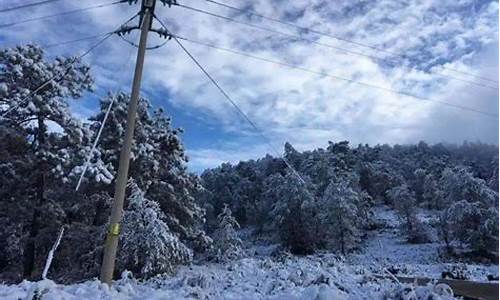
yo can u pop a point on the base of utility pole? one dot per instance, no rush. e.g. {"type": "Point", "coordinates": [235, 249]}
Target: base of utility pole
{"type": "Point", "coordinates": [111, 245]}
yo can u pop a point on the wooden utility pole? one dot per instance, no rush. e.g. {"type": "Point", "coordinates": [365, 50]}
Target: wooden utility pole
{"type": "Point", "coordinates": [111, 246]}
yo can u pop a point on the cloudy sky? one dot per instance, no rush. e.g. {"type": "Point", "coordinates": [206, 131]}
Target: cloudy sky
{"type": "Point", "coordinates": [426, 48]}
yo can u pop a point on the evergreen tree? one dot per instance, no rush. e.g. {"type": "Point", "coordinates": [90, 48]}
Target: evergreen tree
{"type": "Point", "coordinates": [268, 199]}
{"type": "Point", "coordinates": [418, 185]}
{"type": "Point", "coordinates": [148, 246]}
{"type": "Point", "coordinates": [405, 205]}
{"type": "Point", "coordinates": [158, 165]}
{"type": "Point", "coordinates": [292, 156]}
{"type": "Point", "coordinates": [494, 180]}
{"type": "Point", "coordinates": [431, 194]}
{"type": "Point", "coordinates": [292, 214]}
{"type": "Point", "coordinates": [227, 245]}
{"type": "Point", "coordinates": [342, 219]}
{"type": "Point", "coordinates": [378, 178]}
{"type": "Point", "coordinates": [471, 217]}
{"type": "Point", "coordinates": [222, 183]}
{"type": "Point", "coordinates": [23, 70]}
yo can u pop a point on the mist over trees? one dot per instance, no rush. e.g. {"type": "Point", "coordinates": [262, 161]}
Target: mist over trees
{"type": "Point", "coordinates": [172, 217]}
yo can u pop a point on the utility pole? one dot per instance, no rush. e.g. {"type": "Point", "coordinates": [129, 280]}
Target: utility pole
{"type": "Point", "coordinates": [111, 246]}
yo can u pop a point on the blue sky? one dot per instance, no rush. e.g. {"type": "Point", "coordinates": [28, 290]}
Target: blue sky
{"type": "Point", "coordinates": [434, 36]}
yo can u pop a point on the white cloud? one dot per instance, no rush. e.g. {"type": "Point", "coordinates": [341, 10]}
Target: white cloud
{"type": "Point", "coordinates": [308, 109]}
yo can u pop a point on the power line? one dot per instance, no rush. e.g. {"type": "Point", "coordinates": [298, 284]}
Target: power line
{"type": "Point", "coordinates": [239, 110]}
{"type": "Point", "coordinates": [321, 73]}
{"type": "Point", "coordinates": [470, 74]}
{"type": "Point", "coordinates": [307, 29]}
{"type": "Point", "coordinates": [26, 5]}
{"type": "Point", "coordinates": [61, 75]}
{"type": "Point", "coordinates": [299, 37]}
{"type": "Point", "coordinates": [270, 30]}
{"type": "Point", "coordinates": [106, 36]}
{"type": "Point", "coordinates": [91, 37]}
{"type": "Point", "coordinates": [105, 118]}
{"type": "Point", "coordinates": [65, 13]}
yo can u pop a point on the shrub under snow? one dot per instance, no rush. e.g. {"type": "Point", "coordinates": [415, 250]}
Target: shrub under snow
{"type": "Point", "coordinates": [310, 277]}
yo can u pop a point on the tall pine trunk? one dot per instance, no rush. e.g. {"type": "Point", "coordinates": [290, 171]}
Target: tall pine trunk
{"type": "Point", "coordinates": [30, 251]}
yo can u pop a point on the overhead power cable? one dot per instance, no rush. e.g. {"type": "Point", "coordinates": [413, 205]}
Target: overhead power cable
{"type": "Point", "coordinates": [58, 76]}
{"type": "Point", "coordinates": [91, 37]}
{"type": "Point", "coordinates": [322, 73]}
{"type": "Point", "coordinates": [470, 74]}
{"type": "Point", "coordinates": [239, 110]}
{"type": "Point", "coordinates": [64, 13]}
{"type": "Point", "coordinates": [62, 75]}
{"type": "Point", "coordinates": [2, 10]}
{"type": "Point", "coordinates": [251, 12]}
{"type": "Point", "coordinates": [103, 123]}
{"type": "Point", "coordinates": [313, 41]}
{"type": "Point", "coordinates": [273, 31]}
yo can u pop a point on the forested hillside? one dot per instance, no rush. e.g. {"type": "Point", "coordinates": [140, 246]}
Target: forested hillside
{"type": "Point", "coordinates": [329, 205]}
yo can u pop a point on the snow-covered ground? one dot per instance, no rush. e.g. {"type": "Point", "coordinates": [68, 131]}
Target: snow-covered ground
{"type": "Point", "coordinates": [387, 248]}
{"type": "Point", "coordinates": [313, 277]}
{"type": "Point", "coordinates": [262, 276]}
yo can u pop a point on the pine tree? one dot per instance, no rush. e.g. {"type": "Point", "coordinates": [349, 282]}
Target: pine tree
{"type": "Point", "coordinates": [431, 192]}
{"type": "Point", "coordinates": [471, 217]}
{"type": "Point", "coordinates": [405, 205]}
{"type": "Point", "coordinates": [378, 178]}
{"type": "Point", "coordinates": [227, 245]}
{"type": "Point", "coordinates": [222, 183]}
{"type": "Point", "coordinates": [267, 201]}
{"type": "Point", "coordinates": [418, 185]}
{"type": "Point", "coordinates": [23, 70]}
{"type": "Point", "coordinates": [292, 156]}
{"type": "Point", "coordinates": [494, 180]}
{"type": "Point", "coordinates": [341, 217]}
{"type": "Point", "coordinates": [148, 246]}
{"type": "Point", "coordinates": [292, 212]}
{"type": "Point", "coordinates": [158, 165]}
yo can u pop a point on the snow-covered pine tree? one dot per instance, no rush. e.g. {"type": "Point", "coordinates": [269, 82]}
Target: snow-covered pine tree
{"type": "Point", "coordinates": [292, 214]}
{"type": "Point", "coordinates": [292, 156]}
{"type": "Point", "coordinates": [431, 192]}
{"type": "Point", "coordinates": [378, 177]}
{"type": "Point", "coordinates": [268, 199]}
{"type": "Point", "coordinates": [471, 217]}
{"type": "Point", "coordinates": [418, 185]}
{"type": "Point", "coordinates": [23, 70]}
{"type": "Point", "coordinates": [459, 183]}
{"type": "Point", "coordinates": [158, 165]}
{"type": "Point", "coordinates": [317, 165]}
{"type": "Point", "coordinates": [494, 180]}
{"type": "Point", "coordinates": [340, 217]}
{"type": "Point", "coordinates": [222, 182]}
{"type": "Point", "coordinates": [148, 246]}
{"type": "Point", "coordinates": [247, 192]}
{"type": "Point", "coordinates": [227, 245]}
{"type": "Point", "coordinates": [16, 194]}
{"type": "Point", "coordinates": [405, 205]}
